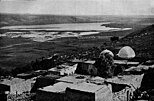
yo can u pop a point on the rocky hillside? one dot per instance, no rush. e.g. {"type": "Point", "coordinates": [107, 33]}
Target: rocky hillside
{"type": "Point", "coordinates": [142, 41]}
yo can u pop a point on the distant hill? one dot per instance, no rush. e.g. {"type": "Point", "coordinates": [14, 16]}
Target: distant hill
{"type": "Point", "coordinates": [142, 41]}
{"type": "Point", "coordinates": [26, 19]}
{"type": "Point", "coordinates": [30, 19]}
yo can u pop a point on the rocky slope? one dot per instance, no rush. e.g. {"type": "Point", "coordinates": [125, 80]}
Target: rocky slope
{"type": "Point", "coordinates": [142, 41]}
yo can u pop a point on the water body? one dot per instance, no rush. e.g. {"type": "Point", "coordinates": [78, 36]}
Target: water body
{"type": "Point", "coordinates": [54, 31]}
{"type": "Point", "coordinates": [66, 27]}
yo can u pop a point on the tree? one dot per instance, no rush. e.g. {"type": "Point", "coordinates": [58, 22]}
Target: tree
{"type": "Point", "coordinates": [104, 65]}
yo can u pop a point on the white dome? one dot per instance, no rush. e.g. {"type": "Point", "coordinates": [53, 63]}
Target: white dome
{"type": "Point", "coordinates": [126, 52]}
{"type": "Point", "coordinates": [106, 51]}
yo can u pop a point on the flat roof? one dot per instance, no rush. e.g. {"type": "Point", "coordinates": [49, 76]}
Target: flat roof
{"type": "Point", "coordinates": [140, 67]}
{"type": "Point", "coordinates": [129, 80]}
{"type": "Point", "coordinates": [88, 87]}
{"type": "Point", "coordinates": [76, 78]}
{"type": "Point", "coordinates": [125, 62]}
{"type": "Point", "coordinates": [77, 60]}
{"type": "Point", "coordinates": [24, 74]}
{"type": "Point", "coordinates": [60, 87]}
{"type": "Point", "coordinates": [11, 81]}
{"type": "Point", "coordinates": [56, 88]}
{"type": "Point", "coordinates": [90, 61]}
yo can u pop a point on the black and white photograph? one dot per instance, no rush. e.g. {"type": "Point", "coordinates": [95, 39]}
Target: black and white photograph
{"type": "Point", "coordinates": [76, 50]}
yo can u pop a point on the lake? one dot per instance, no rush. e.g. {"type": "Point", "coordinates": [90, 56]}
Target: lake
{"type": "Point", "coordinates": [66, 27]}
{"type": "Point", "coordinates": [54, 31]}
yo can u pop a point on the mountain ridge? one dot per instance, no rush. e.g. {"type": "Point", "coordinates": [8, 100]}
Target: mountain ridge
{"type": "Point", "coordinates": [37, 19]}
{"type": "Point", "coordinates": [24, 19]}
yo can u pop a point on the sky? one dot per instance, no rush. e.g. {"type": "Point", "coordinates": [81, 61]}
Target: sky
{"type": "Point", "coordinates": [78, 7]}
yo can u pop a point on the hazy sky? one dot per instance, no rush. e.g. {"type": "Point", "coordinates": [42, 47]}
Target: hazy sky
{"type": "Point", "coordinates": [79, 7]}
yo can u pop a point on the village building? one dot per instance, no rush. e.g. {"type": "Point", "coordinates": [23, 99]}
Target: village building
{"type": "Point", "coordinates": [63, 69]}
{"type": "Point", "coordinates": [74, 88]}
{"type": "Point", "coordinates": [16, 85]}
{"type": "Point", "coordinates": [44, 81]}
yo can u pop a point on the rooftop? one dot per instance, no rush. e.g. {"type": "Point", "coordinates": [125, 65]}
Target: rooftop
{"type": "Point", "coordinates": [76, 78]}
{"type": "Point", "coordinates": [87, 87]}
{"type": "Point", "coordinates": [61, 87]}
{"type": "Point", "coordinates": [11, 81]}
{"type": "Point", "coordinates": [90, 62]}
{"type": "Point", "coordinates": [57, 88]}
